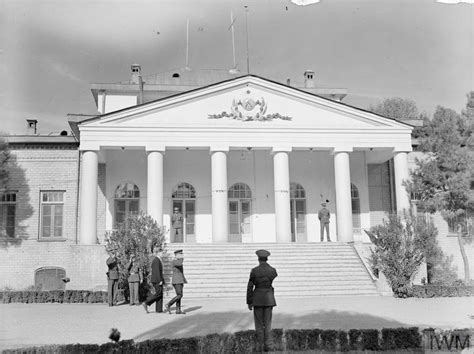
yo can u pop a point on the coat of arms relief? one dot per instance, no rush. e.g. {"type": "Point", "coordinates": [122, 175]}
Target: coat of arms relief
{"type": "Point", "coordinates": [249, 109]}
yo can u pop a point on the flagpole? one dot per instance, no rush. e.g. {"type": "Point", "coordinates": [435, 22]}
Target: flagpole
{"type": "Point", "coordinates": [247, 32]}
{"type": "Point", "coordinates": [187, 44]}
{"type": "Point", "coordinates": [233, 41]}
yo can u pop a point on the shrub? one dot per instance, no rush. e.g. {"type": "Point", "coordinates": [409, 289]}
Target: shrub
{"type": "Point", "coordinates": [426, 291]}
{"type": "Point", "coordinates": [244, 342]}
{"type": "Point", "coordinates": [400, 338]}
{"type": "Point", "coordinates": [398, 251]}
{"type": "Point", "coordinates": [136, 237]}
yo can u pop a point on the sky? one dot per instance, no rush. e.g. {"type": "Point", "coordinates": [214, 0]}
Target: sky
{"type": "Point", "coordinates": [52, 50]}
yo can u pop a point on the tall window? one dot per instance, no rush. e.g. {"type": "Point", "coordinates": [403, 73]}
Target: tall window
{"type": "Point", "coordinates": [240, 212]}
{"type": "Point", "coordinates": [355, 209]}
{"type": "Point", "coordinates": [7, 214]}
{"type": "Point", "coordinates": [298, 212]}
{"type": "Point", "coordinates": [184, 199]}
{"type": "Point", "coordinates": [127, 201]}
{"type": "Point", "coordinates": [52, 207]}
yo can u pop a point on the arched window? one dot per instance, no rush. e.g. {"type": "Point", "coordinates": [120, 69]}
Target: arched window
{"type": "Point", "coordinates": [355, 208]}
{"type": "Point", "coordinates": [127, 201]}
{"type": "Point", "coordinates": [298, 212]}
{"type": "Point", "coordinates": [240, 212]}
{"type": "Point", "coordinates": [240, 191]}
{"type": "Point", "coordinates": [183, 191]}
{"type": "Point", "coordinates": [184, 201]}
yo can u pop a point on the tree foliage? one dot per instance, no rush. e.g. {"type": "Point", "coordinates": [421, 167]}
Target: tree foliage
{"type": "Point", "coordinates": [397, 108]}
{"type": "Point", "coordinates": [442, 178]}
{"type": "Point", "coordinates": [400, 247]}
{"type": "Point", "coordinates": [137, 236]}
{"type": "Point", "coordinates": [4, 158]}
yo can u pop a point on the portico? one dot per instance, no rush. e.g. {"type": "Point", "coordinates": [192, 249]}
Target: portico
{"type": "Point", "coordinates": [246, 160]}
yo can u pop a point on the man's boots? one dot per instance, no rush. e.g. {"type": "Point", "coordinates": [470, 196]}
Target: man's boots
{"type": "Point", "coordinates": [178, 311]}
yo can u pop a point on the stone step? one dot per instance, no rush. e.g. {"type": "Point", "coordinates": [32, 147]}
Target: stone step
{"type": "Point", "coordinates": [317, 269]}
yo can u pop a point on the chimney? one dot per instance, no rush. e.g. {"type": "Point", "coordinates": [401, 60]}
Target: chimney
{"type": "Point", "coordinates": [136, 72]}
{"type": "Point", "coordinates": [288, 81]}
{"type": "Point", "coordinates": [31, 126]}
{"type": "Point", "coordinates": [309, 79]}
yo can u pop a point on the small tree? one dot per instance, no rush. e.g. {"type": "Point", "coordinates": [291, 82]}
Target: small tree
{"type": "Point", "coordinates": [443, 178]}
{"type": "Point", "coordinates": [137, 236]}
{"type": "Point", "coordinates": [400, 247]}
{"type": "Point", "coordinates": [4, 158]}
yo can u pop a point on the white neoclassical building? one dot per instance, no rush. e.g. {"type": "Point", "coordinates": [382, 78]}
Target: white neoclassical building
{"type": "Point", "coordinates": [245, 160]}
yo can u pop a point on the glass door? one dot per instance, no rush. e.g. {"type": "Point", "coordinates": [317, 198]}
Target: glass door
{"type": "Point", "coordinates": [187, 208]}
{"type": "Point", "coordinates": [298, 220]}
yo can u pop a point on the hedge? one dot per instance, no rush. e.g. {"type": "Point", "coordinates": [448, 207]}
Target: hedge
{"type": "Point", "coordinates": [57, 296]}
{"type": "Point", "coordinates": [388, 339]}
{"type": "Point", "coordinates": [431, 290]}
{"type": "Point", "coordinates": [86, 296]}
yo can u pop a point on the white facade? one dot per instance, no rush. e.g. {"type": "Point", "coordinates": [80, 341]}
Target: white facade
{"type": "Point", "coordinates": [284, 136]}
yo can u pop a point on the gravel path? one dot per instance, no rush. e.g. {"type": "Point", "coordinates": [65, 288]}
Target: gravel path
{"type": "Point", "coordinates": [39, 324]}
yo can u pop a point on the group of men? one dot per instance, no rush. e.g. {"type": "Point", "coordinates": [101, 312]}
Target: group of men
{"type": "Point", "coordinates": [156, 278]}
{"type": "Point", "coordinates": [260, 292]}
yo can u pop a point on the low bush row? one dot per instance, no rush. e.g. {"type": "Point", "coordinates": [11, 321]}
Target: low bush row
{"type": "Point", "coordinates": [86, 296]}
{"type": "Point", "coordinates": [431, 290]}
{"type": "Point", "coordinates": [58, 296]}
{"type": "Point", "coordinates": [245, 342]}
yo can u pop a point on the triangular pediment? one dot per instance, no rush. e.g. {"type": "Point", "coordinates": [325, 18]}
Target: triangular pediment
{"type": "Point", "coordinates": [246, 102]}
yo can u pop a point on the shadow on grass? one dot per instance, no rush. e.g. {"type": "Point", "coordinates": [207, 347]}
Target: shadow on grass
{"type": "Point", "coordinates": [200, 324]}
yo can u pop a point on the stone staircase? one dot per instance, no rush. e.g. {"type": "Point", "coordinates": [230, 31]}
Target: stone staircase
{"type": "Point", "coordinates": [311, 269]}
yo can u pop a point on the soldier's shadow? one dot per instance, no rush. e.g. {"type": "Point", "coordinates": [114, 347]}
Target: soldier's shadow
{"type": "Point", "coordinates": [187, 309]}
{"type": "Point", "coordinates": [200, 324]}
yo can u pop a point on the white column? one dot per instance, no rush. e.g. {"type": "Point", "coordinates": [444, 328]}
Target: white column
{"type": "Point", "coordinates": [342, 174]}
{"type": "Point", "coordinates": [155, 185]}
{"type": "Point", "coordinates": [281, 175]}
{"type": "Point", "coordinates": [88, 198]}
{"type": "Point", "coordinates": [220, 215]}
{"type": "Point", "coordinates": [400, 162]}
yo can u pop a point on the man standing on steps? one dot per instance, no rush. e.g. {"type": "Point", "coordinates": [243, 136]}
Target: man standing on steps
{"type": "Point", "coordinates": [178, 280]}
{"type": "Point", "coordinates": [157, 280]}
{"type": "Point", "coordinates": [324, 215]}
{"type": "Point", "coordinates": [261, 299]}
{"type": "Point", "coordinates": [177, 225]}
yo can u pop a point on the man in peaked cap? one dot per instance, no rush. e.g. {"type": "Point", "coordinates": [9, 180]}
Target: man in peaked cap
{"type": "Point", "coordinates": [113, 276]}
{"type": "Point", "coordinates": [178, 280]}
{"type": "Point", "coordinates": [324, 215]}
{"type": "Point", "coordinates": [261, 299]}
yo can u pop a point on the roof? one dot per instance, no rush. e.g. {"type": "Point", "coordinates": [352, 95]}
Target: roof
{"type": "Point", "coordinates": [185, 77]}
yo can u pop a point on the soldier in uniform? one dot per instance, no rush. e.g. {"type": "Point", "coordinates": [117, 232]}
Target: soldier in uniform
{"type": "Point", "coordinates": [261, 299]}
{"type": "Point", "coordinates": [112, 277]}
{"type": "Point", "coordinates": [177, 225]}
{"type": "Point", "coordinates": [157, 280]}
{"type": "Point", "coordinates": [178, 280]}
{"type": "Point", "coordinates": [134, 279]}
{"type": "Point", "coordinates": [324, 215]}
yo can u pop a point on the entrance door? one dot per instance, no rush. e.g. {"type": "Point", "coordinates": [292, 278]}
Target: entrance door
{"type": "Point", "coordinates": [298, 213]}
{"type": "Point", "coordinates": [298, 220]}
{"type": "Point", "coordinates": [186, 207]}
{"type": "Point", "coordinates": [240, 226]}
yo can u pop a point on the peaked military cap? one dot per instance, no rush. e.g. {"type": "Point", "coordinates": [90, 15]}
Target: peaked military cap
{"type": "Point", "coordinates": [178, 251]}
{"type": "Point", "coordinates": [262, 253]}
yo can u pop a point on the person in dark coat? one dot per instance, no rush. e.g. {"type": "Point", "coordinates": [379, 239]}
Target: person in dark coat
{"type": "Point", "coordinates": [261, 299]}
{"type": "Point", "coordinates": [112, 277]}
{"type": "Point", "coordinates": [324, 215]}
{"type": "Point", "coordinates": [157, 280]}
{"type": "Point", "coordinates": [134, 279]}
{"type": "Point", "coordinates": [178, 280]}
